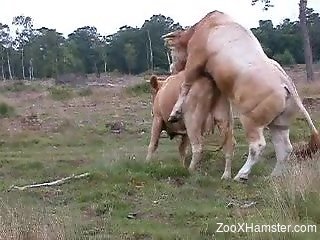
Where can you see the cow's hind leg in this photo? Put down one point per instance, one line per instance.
(183, 147)
(155, 135)
(196, 141)
(283, 148)
(257, 144)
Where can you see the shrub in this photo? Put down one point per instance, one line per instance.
(6, 110)
(16, 86)
(138, 89)
(60, 93)
(285, 58)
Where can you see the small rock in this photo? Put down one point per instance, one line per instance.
(116, 127)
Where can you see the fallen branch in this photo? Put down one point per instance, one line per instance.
(49, 184)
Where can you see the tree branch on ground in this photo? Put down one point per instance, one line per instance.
(49, 184)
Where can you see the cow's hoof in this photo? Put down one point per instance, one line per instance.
(226, 176)
(148, 158)
(191, 169)
(241, 179)
(175, 118)
(276, 174)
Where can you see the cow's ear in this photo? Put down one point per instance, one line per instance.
(154, 82)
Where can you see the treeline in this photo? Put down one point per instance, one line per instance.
(37, 53)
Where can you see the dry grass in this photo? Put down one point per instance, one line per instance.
(309, 90)
(20, 222)
(292, 200)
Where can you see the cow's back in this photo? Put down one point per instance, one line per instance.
(168, 95)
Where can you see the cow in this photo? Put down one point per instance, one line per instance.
(206, 108)
(264, 95)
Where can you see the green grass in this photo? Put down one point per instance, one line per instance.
(126, 198)
(139, 89)
(60, 93)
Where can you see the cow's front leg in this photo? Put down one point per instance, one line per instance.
(195, 64)
(196, 141)
(155, 135)
(183, 147)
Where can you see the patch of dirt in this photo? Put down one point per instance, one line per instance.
(75, 163)
(298, 72)
(31, 122)
(112, 81)
(116, 127)
(312, 103)
(26, 96)
(176, 181)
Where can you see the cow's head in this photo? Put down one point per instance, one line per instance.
(155, 85)
(177, 42)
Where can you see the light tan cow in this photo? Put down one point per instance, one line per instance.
(205, 109)
(259, 88)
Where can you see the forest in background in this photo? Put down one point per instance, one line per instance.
(43, 53)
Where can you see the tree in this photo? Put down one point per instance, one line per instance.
(6, 44)
(266, 3)
(153, 29)
(86, 41)
(306, 39)
(44, 52)
(2, 63)
(130, 56)
(313, 22)
(304, 31)
(24, 32)
(103, 51)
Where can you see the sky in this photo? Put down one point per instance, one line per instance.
(108, 16)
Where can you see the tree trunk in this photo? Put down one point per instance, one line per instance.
(306, 40)
(2, 70)
(55, 70)
(151, 52)
(9, 66)
(22, 64)
(31, 77)
(169, 61)
(148, 61)
(105, 66)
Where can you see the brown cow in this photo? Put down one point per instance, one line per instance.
(259, 88)
(205, 108)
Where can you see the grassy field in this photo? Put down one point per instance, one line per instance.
(49, 132)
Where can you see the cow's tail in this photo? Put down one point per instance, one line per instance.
(314, 143)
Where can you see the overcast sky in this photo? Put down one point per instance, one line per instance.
(67, 15)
